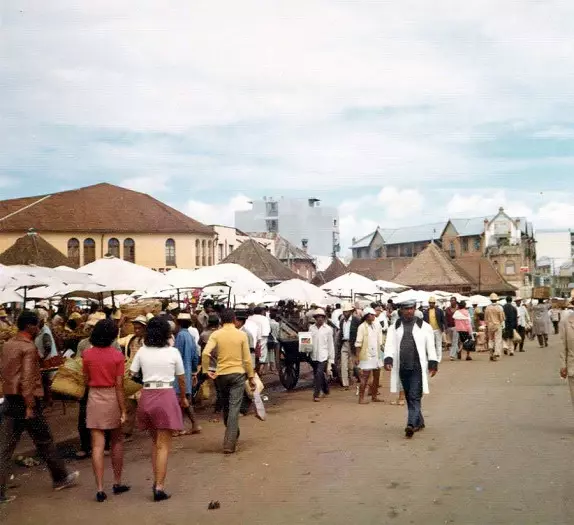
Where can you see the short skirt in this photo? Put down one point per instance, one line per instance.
(158, 409)
(103, 410)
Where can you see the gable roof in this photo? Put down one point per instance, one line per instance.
(468, 227)
(383, 269)
(484, 275)
(421, 233)
(33, 249)
(255, 258)
(432, 269)
(287, 251)
(101, 208)
(334, 270)
(365, 242)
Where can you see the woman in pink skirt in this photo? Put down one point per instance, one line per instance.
(104, 373)
(159, 411)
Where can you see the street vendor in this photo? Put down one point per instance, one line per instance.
(4, 321)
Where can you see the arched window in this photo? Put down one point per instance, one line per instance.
(130, 250)
(209, 253)
(114, 247)
(203, 253)
(89, 251)
(197, 254)
(74, 251)
(510, 268)
(170, 252)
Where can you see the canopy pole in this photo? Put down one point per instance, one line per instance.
(178, 298)
(113, 301)
(229, 298)
(25, 296)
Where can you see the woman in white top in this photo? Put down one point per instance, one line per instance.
(158, 409)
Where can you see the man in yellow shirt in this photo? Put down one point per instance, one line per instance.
(435, 317)
(230, 348)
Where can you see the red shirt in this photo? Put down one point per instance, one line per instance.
(102, 366)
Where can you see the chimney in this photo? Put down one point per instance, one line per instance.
(304, 244)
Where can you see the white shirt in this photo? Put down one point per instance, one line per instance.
(373, 350)
(264, 325)
(194, 333)
(336, 315)
(323, 343)
(347, 329)
(383, 321)
(253, 328)
(158, 364)
(522, 315)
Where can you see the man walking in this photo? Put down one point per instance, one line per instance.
(541, 323)
(494, 320)
(567, 352)
(510, 325)
(348, 326)
(555, 318)
(434, 316)
(323, 353)
(23, 396)
(523, 323)
(451, 329)
(230, 348)
(369, 345)
(409, 353)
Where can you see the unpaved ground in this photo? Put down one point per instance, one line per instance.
(498, 448)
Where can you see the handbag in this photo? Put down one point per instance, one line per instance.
(469, 345)
(516, 337)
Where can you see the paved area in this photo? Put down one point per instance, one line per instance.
(497, 449)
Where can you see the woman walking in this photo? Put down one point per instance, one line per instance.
(158, 410)
(463, 326)
(104, 373)
(368, 347)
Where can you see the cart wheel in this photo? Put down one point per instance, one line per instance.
(288, 372)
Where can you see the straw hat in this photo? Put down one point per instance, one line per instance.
(184, 317)
(348, 307)
(172, 306)
(432, 299)
(92, 321)
(140, 319)
(149, 316)
(319, 312)
(494, 297)
(3, 313)
(75, 315)
(368, 311)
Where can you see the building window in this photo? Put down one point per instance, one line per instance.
(203, 253)
(451, 249)
(74, 251)
(114, 247)
(197, 255)
(510, 268)
(272, 226)
(130, 250)
(209, 253)
(220, 252)
(477, 244)
(464, 244)
(89, 251)
(170, 252)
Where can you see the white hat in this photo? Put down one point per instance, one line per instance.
(432, 299)
(149, 316)
(494, 297)
(319, 312)
(184, 317)
(172, 306)
(348, 307)
(140, 319)
(368, 311)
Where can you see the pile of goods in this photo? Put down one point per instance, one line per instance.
(132, 310)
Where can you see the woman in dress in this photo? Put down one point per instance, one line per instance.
(463, 326)
(368, 346)
(159, 411)
(104, 373)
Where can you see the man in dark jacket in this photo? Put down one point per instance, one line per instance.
(348, 326)
(510, 325)
(436, 318)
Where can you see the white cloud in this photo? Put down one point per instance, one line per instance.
(556, 132)
(146, 184)
(222, 214)
(400, 203)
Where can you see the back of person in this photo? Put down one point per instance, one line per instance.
(230, 344)
(493, 315)
(157, 364)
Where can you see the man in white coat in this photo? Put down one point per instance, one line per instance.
(409, 352)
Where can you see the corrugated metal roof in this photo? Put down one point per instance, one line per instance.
(424, 232)
(468, 227)
(365, 242)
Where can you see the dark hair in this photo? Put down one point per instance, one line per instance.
(104, 333)
(108, 311)
(508, 299)
(338, 306)
(184, 323)
(158, 332)
(93, 308)
(258, 310)
(462, 304)
(227, 316)
(273, 314)
(27, 318)
(208, 303)
(213, 321)
(72, 324)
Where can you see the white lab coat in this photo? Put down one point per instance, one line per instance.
(424, 340)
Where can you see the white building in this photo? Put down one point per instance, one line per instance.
(556, 246)
(303, 222)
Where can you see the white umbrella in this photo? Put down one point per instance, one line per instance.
(302, 291)
(10, 296)
(387, 286)
(479, 300)
(349, 285)
(412, 295)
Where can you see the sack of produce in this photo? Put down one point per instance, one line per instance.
(69, 379)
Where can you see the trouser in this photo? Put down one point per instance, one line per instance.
(14, 422)
(508, 341)
(131, 412)
(571, 385)
(542, 339)
(454, 342)
(231, 388)
(347, 362)
(556, 324)
(319, 378)
(365, 375)
(438, 343)
(522, 332)
(412, 381)
(495, 341)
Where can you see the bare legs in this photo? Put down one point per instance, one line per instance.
(160, 452)
(117, 449)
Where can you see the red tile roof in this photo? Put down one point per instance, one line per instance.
(102, 208)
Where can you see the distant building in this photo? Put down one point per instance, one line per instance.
(556, 245)
(228, 238)
(303, 222)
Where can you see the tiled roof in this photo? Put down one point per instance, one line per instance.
(33, 249)
(255, 258)
(334, 270)
(485, 276)
(101, 208)
(383, 269)
(432, 269)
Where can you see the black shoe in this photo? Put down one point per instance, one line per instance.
(409, 432)
(120, 489)
(101, 497)
(419, 428)
(160, 495)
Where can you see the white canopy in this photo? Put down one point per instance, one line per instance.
(350, 284)
(387, 286)
(302, 291)
(241, 280)
(479, 300)
(412, 295)
(10, 296)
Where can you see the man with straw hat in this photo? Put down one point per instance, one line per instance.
(410, 356)
(368, 346)
(348, 326)
(494, 319)
(323, 353)
(434, 316)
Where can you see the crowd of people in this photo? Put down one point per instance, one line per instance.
(174, 353)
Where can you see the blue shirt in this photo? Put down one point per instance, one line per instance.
(185, 343)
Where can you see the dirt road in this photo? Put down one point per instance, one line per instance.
(498, 448)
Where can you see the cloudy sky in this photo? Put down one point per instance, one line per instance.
(396, 112)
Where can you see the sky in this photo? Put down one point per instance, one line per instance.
(398, 113)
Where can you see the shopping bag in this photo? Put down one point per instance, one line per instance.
(259, 406)
(516, 337)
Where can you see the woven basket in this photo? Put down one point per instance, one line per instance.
(132, 310)
(69, 379)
